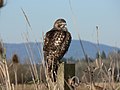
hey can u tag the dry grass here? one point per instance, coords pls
(30, 87)
(4, 67)
(80, 87)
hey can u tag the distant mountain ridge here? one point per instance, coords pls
(74, 51)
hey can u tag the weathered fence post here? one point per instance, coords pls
(65, 71)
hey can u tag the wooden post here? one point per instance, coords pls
(65, 72)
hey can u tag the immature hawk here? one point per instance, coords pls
(56, 44)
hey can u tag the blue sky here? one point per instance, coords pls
(42, 14)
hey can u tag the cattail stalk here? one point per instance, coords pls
(15, 61)
(99, 54)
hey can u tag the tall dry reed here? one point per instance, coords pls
(4, 67)
(15, 61)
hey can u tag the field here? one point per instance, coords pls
(90, 77)
(80, 87)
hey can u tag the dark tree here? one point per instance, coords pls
(103, 55)
(118, 51)
(97, 55)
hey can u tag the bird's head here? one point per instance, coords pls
(60, 24)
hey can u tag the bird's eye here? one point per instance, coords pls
(59, 25)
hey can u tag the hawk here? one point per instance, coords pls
(56, 44)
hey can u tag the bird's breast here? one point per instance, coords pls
(59, 38)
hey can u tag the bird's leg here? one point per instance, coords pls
(55, 68)
(49, 69)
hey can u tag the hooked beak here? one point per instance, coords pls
(64, 24)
